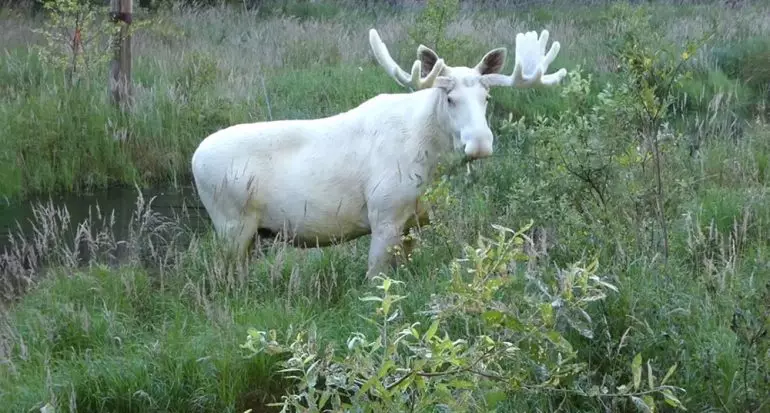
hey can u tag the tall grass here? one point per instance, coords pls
(199, 70)
(153, 322)
(133, 306)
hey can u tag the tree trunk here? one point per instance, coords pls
(120, 67)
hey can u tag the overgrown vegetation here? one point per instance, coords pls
(639, 278)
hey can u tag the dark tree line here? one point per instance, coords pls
(288, 6)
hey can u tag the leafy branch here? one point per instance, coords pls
(72, 31)
(405, 368)
(652, 71)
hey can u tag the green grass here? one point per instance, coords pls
(129, 339)
(193, 75)
(111, 342)
(162, 331)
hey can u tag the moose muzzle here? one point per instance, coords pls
(478, 143)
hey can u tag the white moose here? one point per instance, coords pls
(363, 171)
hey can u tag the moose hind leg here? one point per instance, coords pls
(238, 234)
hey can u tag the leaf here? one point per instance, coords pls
(324, 398)
(461, 384)
(557, 339)
(367, 385)
(514, 324)
(368, 320)
(640, 404)
(493, 398)
(636, 369)
(431, 331)
(502, 228)
(393, 316)
(47, 408)
(578, 319)
(604, 283)
(593, 265)
(672, 400)
(650, 377)
(547, 313)
(386, 283)
(493, 316)
(385, 368)
(670, 371)
(650, 401)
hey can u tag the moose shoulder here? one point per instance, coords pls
(363, 171)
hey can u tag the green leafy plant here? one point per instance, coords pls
(432, 22)
(513, 341)
(582, 164)
(606, 153)
(72, 36)
(652, 68)
(431, 29)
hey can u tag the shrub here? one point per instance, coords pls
(514, 322)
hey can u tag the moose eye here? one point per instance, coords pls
(450, 100)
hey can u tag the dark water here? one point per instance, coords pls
(180, 202)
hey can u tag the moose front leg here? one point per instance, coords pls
(391, 240)
(385, 236)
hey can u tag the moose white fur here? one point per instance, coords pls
(363, 171)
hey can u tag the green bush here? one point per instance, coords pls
(514, 322)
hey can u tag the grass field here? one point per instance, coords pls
(688, 252)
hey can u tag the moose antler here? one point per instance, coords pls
(531, 63)
(413, 81)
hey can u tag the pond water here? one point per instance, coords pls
(168, 202)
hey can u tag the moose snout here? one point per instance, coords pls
(478, 144)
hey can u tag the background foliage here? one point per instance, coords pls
(638, 277)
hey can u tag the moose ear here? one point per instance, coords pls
(492, 62)
(428, 58)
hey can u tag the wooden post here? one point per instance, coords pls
(120, 67)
